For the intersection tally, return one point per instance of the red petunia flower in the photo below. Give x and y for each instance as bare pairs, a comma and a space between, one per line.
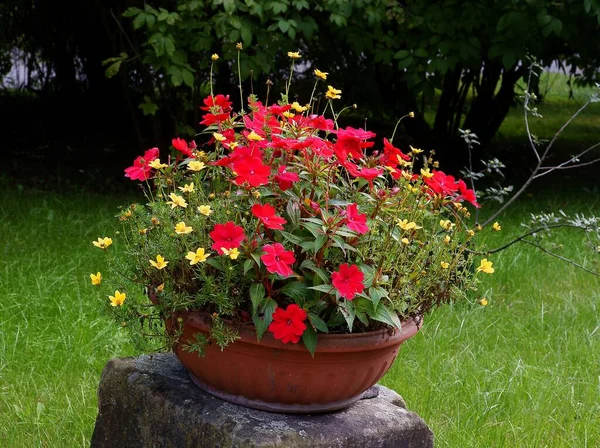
220, 101
288, 325
226, 236
181, 145
348, 280
356, 221
278, 260
140, 170
441, 183
266, 213
285, 179
467, 194
251, 170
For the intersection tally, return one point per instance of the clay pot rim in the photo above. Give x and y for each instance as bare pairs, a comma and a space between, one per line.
339, 342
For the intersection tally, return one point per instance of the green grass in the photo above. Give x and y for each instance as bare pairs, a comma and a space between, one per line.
522, 371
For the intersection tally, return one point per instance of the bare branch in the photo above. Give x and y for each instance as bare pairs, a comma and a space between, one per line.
560, 257
525, 109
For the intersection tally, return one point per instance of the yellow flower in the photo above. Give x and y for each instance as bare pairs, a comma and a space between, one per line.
160, 262
215, 57
486, 266
415, 150
426, 173
194, 165
239, 46
205, 210
405, 225
96, 279
256, 194
294, 54
288, 114
161, 287
254, 137
333, 93
176, 201
187, 188
197, 257
117, 299
478, 227
411, 115
155, 221
219, 137
447, 239
143, 231
296, 106
405, 241
497, 227
233, 253
445, 265
446, 224
483, 301
157, 165
436, 164
182, 229
471, 232
319, 74
102, 243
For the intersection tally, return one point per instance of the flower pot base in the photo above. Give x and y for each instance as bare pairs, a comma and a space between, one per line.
284, 408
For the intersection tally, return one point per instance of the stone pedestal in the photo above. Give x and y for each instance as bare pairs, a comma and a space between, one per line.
151, 402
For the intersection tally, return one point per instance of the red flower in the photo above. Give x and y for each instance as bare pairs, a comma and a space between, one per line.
348, 280
286, 179
392, 155
467, 194
441, 183
365, 173
277, 110
266, 213
220, 101
278, 260
356, 221
181, 145
140, 169
288, 325
251, 170
228, 236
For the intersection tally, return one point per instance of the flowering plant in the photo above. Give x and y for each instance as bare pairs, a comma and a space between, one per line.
286, 220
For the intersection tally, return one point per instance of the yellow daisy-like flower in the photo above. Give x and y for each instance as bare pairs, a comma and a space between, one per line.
471, 232
446, 224
296, 106
160, 288
294, 55
447, 239
483, 301
199, 256
187, 188
485, 266
405, 225
232, 253
215, 57
333, 93
176, 201
254, 137
288, 114
160, 262
219, 137
415, 150
239, 46
426, 173
155, 221
205, 210
256, 194
182, 229
117, 299
445, 265
497, 227
157, 165
103, 243
319, 74
405, 241
96, 278
195, 165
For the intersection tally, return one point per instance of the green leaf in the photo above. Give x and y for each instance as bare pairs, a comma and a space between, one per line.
261, 323
130, 12
376, 294
257, 294
215, 264
188, 77
323, 288
246, 36
318, 323
293, 212
248, 265
309, 337
319, 242
349, 313
296, 290
113, 69
383, 314
148, 107
311, 266
294, 239
169, 45
402, 54
421, 53
283, 25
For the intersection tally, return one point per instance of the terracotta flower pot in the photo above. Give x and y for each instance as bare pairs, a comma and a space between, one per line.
278, 377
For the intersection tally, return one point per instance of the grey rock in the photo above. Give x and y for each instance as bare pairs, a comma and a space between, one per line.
150, 401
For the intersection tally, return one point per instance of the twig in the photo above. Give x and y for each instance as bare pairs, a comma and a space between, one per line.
560, 257
525, 105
